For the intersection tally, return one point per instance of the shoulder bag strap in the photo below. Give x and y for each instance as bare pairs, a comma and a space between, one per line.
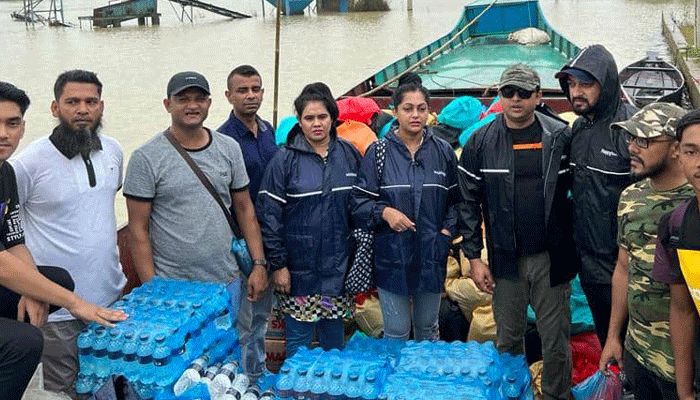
380, 158
205, 181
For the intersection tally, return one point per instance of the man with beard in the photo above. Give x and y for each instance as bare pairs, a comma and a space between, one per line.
177, 228
66, 184
677, 258
648, 353
600, 165
257, 140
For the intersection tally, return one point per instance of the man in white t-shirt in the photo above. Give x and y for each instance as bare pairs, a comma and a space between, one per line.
67, 184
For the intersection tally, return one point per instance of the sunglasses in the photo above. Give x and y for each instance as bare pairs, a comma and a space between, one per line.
509, 91
642, 142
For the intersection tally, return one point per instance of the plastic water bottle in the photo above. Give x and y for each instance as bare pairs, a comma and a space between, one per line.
253, 393
354, 389
267, 395
191, 376
101, 361
145, 363
511, 389
370, 389
222, 381
130, 360
115, 349
87, 362
231, 395
285, 382
240, 383
318, 385
336, 387
210, 373
301, 384
84, 384
161, 361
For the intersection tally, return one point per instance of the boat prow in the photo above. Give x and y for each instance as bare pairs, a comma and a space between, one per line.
470, 58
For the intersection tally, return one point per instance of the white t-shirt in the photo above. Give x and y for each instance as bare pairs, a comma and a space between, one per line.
68, 223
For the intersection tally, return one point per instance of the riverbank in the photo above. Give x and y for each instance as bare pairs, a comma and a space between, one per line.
684, 55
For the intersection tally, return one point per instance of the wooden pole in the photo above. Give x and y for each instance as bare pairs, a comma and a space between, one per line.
262, 4
697, 25
410, 5
277, 63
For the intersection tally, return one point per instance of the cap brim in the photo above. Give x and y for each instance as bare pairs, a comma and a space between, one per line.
636, 129
519, 84
193, 85
580, 75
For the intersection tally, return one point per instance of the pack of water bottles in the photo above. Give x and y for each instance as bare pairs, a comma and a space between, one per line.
170, 323
393, 370
335, 374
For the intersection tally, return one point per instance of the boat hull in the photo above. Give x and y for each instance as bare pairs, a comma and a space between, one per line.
651, 80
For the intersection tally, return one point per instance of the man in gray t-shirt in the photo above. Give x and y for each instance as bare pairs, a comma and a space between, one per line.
176, 226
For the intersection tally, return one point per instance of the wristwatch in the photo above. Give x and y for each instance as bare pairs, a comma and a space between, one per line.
260, 261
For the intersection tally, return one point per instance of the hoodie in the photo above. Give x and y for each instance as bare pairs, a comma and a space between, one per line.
600, 163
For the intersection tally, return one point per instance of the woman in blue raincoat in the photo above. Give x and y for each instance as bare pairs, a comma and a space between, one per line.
411, 209
303, 209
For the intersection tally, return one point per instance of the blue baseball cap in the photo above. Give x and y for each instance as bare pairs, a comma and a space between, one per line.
580, 75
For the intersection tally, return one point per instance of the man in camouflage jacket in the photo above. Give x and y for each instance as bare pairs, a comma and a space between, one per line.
648, 355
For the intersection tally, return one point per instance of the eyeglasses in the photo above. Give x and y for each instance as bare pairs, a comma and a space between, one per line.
510, 91
642, 142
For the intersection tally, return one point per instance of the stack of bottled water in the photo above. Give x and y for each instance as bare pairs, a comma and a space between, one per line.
315, 374
371, 369
170, 324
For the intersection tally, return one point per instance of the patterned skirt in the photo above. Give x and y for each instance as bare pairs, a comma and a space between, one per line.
316, 307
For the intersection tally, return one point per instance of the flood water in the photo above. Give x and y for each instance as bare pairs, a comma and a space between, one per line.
135, 62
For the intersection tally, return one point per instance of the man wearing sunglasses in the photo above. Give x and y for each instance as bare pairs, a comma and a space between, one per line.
600, 167
514, 173
648, 353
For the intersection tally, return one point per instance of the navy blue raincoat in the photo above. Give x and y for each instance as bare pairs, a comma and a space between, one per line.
303, 209
425, 189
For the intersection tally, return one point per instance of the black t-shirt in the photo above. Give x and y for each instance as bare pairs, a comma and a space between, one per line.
11, 232
529, 189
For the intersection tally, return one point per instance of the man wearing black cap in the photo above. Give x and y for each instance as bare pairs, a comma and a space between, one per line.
530, 242
600, 163
175, 223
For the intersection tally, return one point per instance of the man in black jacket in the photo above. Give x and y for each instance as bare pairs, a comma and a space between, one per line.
600, 163
514, 172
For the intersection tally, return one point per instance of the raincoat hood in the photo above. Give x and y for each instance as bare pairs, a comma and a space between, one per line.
597, 61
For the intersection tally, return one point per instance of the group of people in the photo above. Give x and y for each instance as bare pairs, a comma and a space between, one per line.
554, 201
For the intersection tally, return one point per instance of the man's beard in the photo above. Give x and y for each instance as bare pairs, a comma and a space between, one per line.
648, 172
79, 141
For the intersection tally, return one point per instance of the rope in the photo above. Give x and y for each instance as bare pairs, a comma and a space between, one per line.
431, 55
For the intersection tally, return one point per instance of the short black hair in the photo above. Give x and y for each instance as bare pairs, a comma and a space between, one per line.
691, 118
10, 92
400, 92
317, 91
75, 75
243, 70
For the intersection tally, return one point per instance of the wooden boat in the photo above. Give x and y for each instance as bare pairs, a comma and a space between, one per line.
471, 57
652, 79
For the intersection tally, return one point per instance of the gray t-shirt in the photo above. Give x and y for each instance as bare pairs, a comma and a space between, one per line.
189, 234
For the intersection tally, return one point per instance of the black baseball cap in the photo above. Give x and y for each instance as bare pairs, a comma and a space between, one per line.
186, 80
579, 74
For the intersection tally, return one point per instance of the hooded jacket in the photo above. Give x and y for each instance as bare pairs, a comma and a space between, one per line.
304, 216
487, 183
424, 188
600, 163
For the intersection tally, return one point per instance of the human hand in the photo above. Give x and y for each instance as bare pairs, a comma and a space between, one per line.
481, 275
282, 280
38, 311
397, 220
257, 283
611, 352
89, 312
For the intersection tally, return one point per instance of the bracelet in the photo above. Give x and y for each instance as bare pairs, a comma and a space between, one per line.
260, 261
